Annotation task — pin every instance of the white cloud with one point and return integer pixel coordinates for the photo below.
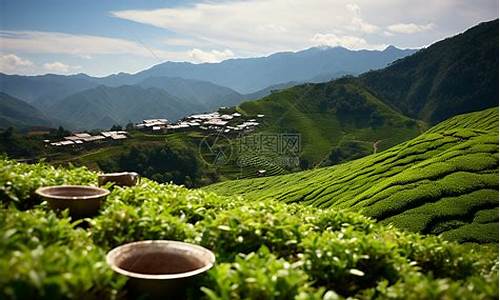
(59, 67)
(410, 28)
(78, 45)
(210, 56)
(87, 46)
(259, 27)
(256, 27)
(11, 63)
(358, 24)
(350, 42)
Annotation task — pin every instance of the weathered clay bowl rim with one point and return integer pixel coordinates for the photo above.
(42, 192)
(112, 254)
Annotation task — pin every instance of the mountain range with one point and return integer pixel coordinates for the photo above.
(248, 75)
(201, 87)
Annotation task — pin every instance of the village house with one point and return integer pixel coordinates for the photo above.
(152, 124)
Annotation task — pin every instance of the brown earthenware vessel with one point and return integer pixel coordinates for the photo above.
(160, 269)
(82, 201)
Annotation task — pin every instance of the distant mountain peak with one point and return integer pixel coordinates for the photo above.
(391, 47)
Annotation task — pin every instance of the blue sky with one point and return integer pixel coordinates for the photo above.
(104, 37)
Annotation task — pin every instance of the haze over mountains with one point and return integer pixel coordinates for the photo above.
(200, 87)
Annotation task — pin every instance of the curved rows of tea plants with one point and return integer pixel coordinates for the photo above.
(264, 249)
(482, 120)
(444, 182)
(253, 163)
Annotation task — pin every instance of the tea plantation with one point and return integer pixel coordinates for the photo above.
(264, 249)
(445, 181)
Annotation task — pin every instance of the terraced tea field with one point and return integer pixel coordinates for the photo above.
(445, 181)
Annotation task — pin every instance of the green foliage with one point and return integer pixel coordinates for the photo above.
(348, 261)
(264, 249)
(162, 163)
(17, 145)
(435, 183)
(18, 181)
(246, 228)
(258, 275)
(121, 223)
(43, 257)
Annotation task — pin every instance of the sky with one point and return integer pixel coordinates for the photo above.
(100, 38)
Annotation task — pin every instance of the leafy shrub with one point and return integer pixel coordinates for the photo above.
(18, 181)
(33, 228)
(245, 229)
(121, 223)
(348, 261)
(437, 257)
(333, 220)
(418, 286)
(189, 205)
(42, 257)
(164, 163)
(258, 275)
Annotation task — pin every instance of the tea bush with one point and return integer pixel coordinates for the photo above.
(348, 261)
(258, 275)
(246, 228)
(265, 249)
(18, 181)
(43, 257)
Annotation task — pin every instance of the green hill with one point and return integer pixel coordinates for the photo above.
(17, 113)
(444, 181)
(453, 76)
(329, 115)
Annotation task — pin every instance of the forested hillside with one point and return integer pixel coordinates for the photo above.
(454, 76)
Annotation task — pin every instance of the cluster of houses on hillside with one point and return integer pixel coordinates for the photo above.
(77, 139)
(215, 121)
(208, 122)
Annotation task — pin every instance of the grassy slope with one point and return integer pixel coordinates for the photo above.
(317, 112)
(444, 181)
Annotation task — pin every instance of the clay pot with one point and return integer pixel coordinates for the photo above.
(82, 201)
(121, 179)
(160, 269)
